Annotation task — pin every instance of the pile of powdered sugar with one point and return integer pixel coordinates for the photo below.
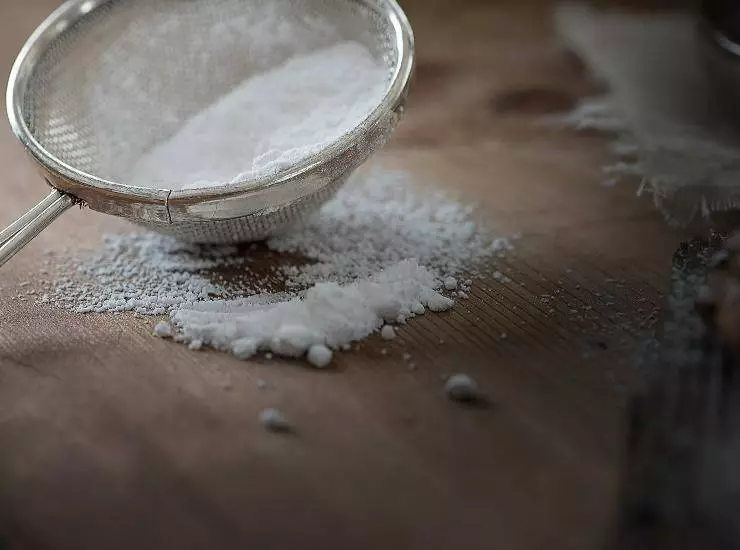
(327, 314)
(378, 253)
(270, 122)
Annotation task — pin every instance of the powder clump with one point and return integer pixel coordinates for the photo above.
(163, 330)
(462, 388)
(273, 420)
(320, 356)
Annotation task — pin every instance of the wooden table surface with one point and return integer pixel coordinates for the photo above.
(112, 438)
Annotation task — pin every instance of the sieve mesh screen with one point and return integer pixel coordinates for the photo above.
(128, 74)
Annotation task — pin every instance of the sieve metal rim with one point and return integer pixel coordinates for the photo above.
(166, 205)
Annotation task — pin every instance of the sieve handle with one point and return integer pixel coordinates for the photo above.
(22, 231)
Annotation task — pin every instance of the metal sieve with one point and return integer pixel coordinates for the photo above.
(101, 82)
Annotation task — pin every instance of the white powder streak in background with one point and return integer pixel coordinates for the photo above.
(673, 130)
(270, 122)
(377, 252)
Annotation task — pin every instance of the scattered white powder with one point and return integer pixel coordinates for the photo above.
(320, 356)
(274, 421)
(450, 283)
(376, 254)
(270, 122)
(328, 313)
(461, 387)
(388, 332)
(381, 218)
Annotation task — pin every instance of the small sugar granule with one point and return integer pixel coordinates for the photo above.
(293, 340)
(320, 356)
(163, 329)
(196, 344)
(461, 387)
(244, 348)
(450, 283)
(274, 421)
(439, 303)
(387, 332)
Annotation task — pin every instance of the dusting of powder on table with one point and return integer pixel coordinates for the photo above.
(376, 255)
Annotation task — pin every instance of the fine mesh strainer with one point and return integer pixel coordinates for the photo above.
(101, 82)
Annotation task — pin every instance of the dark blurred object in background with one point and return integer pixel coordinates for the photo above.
(723, 16)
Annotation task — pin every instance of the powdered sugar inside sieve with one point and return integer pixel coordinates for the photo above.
(103, 86)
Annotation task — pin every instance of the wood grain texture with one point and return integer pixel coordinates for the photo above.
(115, 439)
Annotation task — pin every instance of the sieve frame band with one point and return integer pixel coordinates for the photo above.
(236, 200)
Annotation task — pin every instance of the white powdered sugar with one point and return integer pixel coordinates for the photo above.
(327, 314)
(319, 356)
(463, 388)
(377, 254)
(270, 122)
(381, 218)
